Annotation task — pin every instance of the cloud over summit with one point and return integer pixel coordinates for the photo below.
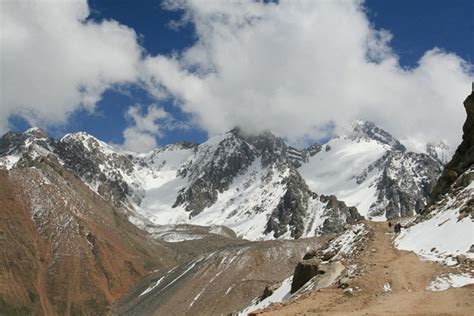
(295, 66)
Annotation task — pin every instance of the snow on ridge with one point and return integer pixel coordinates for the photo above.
(8, 162)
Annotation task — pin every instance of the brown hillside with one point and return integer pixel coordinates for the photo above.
(65, 250)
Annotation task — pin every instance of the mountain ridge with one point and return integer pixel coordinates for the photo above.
(175, 183)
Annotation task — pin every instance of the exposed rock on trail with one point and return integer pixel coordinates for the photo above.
(386, 280)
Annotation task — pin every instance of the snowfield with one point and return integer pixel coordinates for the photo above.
(445, 235)
(279, 295)
(335, 171)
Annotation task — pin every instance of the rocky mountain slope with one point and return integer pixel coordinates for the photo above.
(254, 184)
(445, 230)
(217, 283)
(70, 204)
(370, 169)
(64, 249)
(244, 182)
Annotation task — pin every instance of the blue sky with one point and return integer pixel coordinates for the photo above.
(416, 26)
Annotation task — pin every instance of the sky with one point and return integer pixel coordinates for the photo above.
(139, 74)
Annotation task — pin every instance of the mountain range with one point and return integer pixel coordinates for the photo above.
(138, 230)
(254, 184)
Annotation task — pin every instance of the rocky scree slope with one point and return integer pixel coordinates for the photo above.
(217, 283)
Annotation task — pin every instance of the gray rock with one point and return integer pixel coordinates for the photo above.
(310, 254)
(304, 271)
(463, 158)
(471, 249)
(461, 259)
(344, 282)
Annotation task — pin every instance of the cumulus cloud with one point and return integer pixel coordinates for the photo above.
(144, 128)
(54, 60)
(294, 67)
(302, 69)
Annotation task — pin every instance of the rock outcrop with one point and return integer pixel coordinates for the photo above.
(463, 158)
(305, 270)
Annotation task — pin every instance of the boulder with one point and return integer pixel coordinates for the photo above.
(344, 282)
(328, 255)
(310, 254)
(460, 259)
(305, 270)
(329, 274)
(269, 290)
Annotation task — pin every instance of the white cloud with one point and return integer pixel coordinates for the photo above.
(54, 60)
(141, 135)
(294, 66)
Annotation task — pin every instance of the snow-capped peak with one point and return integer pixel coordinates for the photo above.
(439, 151)
(90, 143)
(370, 169)
(36, 132)
(362, 129)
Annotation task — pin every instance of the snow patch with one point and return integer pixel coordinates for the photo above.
(440, 238)
(443, 283)
(281, 294)
(151, 287)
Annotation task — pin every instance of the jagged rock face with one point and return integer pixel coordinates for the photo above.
(370, 169)
(463, 158)
(298, 157)
(98, 165)
(216, 165)
(368, 130)
(246, 182)
(405, 184)
(16, 146)
(438, 151)
(212, 171)
(232, 165)
(236, 178)
(292, 208)
(340, 216)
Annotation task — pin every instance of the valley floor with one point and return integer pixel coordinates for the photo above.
(390, 282)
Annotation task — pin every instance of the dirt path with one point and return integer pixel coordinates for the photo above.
(382, 264)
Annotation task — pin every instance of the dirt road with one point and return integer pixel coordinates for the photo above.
(404, 276)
